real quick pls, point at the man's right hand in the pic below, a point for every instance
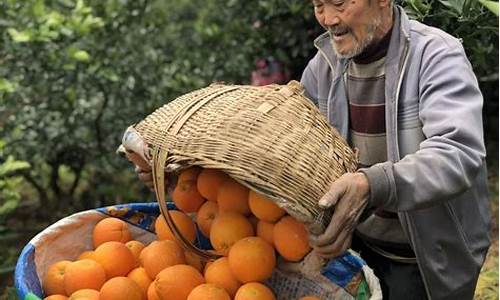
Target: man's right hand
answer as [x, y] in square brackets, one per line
[146, 176]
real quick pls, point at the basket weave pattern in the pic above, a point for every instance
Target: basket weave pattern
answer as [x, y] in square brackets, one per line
[271, 139]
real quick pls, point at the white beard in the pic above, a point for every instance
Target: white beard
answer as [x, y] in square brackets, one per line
[360, 45]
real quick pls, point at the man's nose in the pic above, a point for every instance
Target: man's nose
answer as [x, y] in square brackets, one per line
[331, 17]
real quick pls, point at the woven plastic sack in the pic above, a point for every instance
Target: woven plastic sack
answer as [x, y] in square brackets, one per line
[271, 139]
[69, 237]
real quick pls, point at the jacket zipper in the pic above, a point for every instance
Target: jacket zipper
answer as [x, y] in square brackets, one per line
[396, 155]
[396, 100]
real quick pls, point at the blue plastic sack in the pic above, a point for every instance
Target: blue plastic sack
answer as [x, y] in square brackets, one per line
[346, 277]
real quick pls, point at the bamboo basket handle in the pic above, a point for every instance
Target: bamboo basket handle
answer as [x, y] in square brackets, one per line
[159, 159]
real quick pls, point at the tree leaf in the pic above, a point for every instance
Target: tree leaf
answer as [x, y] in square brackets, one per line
[19, 36]
[12, 165]
[7, 86]
[456, 5]
[81, 55]
[491, 5]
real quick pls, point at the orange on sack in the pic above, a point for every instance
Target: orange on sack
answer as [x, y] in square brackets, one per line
[85, 294]
[135, 247]
[219, 273]
[254, 291]
[56, 297]
[110, 229]
[309, 298]
[264, 208]
[206, 215]
[252, 259]
[233, 197]
[83, 274]
[290, 239]
[176, 282]
[53, 280]
[265, 230]
[183, 222]
[139, 276]
[115, 258]
[122, 288]
[208, 291]
[161, 254]
[227, 229]
[186, 196]
[209, 181]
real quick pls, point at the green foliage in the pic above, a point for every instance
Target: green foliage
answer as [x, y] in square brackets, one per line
[477, 27]
[77, 73]
[10, 195]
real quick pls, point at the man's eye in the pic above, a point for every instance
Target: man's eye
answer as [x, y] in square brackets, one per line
[338, 3]
[317, 4]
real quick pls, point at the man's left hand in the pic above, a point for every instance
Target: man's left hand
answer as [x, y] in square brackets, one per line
[349, 194]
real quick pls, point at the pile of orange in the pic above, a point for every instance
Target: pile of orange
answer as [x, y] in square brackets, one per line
[248, 229]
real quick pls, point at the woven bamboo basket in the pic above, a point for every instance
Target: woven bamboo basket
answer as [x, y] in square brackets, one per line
[271, 139]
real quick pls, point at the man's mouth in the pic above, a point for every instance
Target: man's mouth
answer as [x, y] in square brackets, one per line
[339, 33]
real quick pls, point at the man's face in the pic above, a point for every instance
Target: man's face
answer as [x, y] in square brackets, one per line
[352, 24]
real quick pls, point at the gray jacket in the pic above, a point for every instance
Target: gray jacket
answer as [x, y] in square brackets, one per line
[435, 176]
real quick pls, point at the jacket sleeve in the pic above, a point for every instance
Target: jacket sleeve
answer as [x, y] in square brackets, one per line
[450, 157]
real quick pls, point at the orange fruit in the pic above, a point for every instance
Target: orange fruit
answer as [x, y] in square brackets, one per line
[140, 276]
[227, 229]
[209, 181]
[86, 255]
[309, 298]
[254, 291]
[161, 254]
[135, 247]
[190, 173]
[193, 260]
[207, 264]
[219, 273]
[206, 215]
[85, 294]
[183, 222]
[264, 208]
[233, 197]
[110, 229]
[186, 196]
[208, 291]
[176, 282]
[56, 297]
[252, 259]
[115, 258]
[83, 274]
[53, 280]
[290, 239]
[152, 295]
[122, 288]
[265, 231]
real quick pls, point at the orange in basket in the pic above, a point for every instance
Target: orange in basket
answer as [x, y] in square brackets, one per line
[111, 229]
[53, 281]
[208, 291]
[176, 282]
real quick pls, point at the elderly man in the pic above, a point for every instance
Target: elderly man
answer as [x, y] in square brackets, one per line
[404, 94]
